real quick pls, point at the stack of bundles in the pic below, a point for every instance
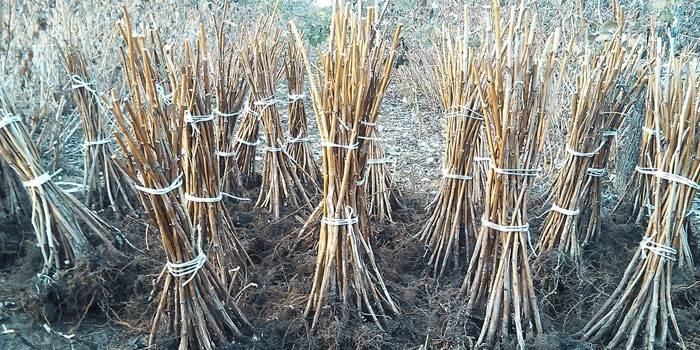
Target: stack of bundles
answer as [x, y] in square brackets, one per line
[281, 183]
[602, 95]
[642, 302]
[194, 302]
[55, 213]
[382, 194]
[298, 142]
[355, 70]
[450, 231]
[203, 195]
[515, 99]
[105, 183]
[230, 89]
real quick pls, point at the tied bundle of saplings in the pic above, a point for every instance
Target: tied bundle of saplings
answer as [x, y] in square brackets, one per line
[383, 197]
[105, 183]
[298, 143]
[519, 69]
[450, 231]
[602, 95]
[203, 195]
[281, 182]
[10, 189]
[56, 214]
[357, 62]
[639, 312]
[193, 302]
[230, 89]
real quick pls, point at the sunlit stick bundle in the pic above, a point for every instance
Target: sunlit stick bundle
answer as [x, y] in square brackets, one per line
[450, 231]
[640, 311]
[515, 101]
[299, 141]
[346, 90]
[281, 183]
[601, 85]
[56, 214]
[193, 302]
[105, 183]
[230, 89]
[203, 196]
[379, 186]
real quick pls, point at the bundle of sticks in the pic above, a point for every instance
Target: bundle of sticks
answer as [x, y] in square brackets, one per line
[355, 70]
[601, 98]
[105, 183]
[246, 143]
[383, 197]
[193, 303]
[450, 231]
[56, 214]
[299, 141]
[515, 105]
[281, 183]
[203, 195]
[10, 190]
[231, 89]
[641, 305]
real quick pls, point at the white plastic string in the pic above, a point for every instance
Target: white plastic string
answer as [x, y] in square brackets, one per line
[349, 220]
[265, 102]
[244, 199]
[296, 97]
[193, 119]
[167, 98]
[226, 115]
[567, 212]
[509, 229]
[195, 199]
[40, 180]
[592, 153]
[366, 123]
[268, 148]
[652, 131]
[87, 144]
[70, 187]
[378, 161]
[9, 119]
[472, 114]
[446, 173]
[595, 172]
[609, 133]
[299, 139]
[189, 268]
[518, 172]
[482, 159]
[161, 191]
[335, 145]
[223, 154]
[369, 138]
[247, 143]
[669, 176]
[663, 251]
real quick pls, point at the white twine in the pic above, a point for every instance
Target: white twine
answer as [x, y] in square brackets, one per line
[595, 172]
[518, 172]
[668, 176]
[349, 220]
[265, 102]
[299, 139]
[268, 148]
[482, 159]
[366, 123]
[40, 180]
[216, 199]
[652, 131]
[247, 143]
[567, 212]
[663, 251]
[9, 119]
[78, 82]
[74, 186]
[167, 98]
[194, 119]
[161, 191]
[510, 229]
[378, 161]
[223, 154]
[296, 97]
[335, 145]
[446, 173]
[369, 138]
[609, 133]
[226, 115]
[471, 115]
[191, 267]
[87, 144]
